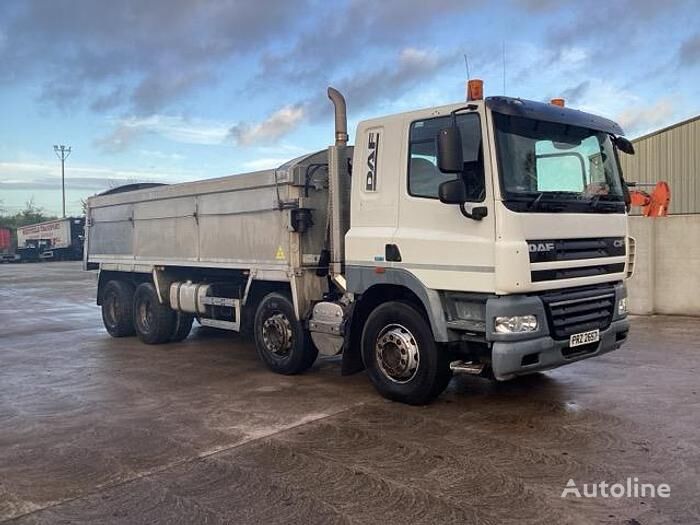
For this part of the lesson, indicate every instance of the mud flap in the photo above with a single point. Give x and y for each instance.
(352, 362)
(352, 356)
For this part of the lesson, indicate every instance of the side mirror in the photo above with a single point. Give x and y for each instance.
(452, 192)
(455, 192)
(449, 150)
(624, 145)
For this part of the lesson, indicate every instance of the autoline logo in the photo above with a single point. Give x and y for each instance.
(630, 488)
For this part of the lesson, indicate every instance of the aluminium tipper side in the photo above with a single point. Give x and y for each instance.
(239, 221)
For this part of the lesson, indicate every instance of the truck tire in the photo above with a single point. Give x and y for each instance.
(117, 308)
(403, 361)
(183, 326)
(154, 322)
(281, 341)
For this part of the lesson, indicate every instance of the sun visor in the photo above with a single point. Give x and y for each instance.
(552, 113)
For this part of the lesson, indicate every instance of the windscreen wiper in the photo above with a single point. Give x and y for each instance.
(551, 203)
(608, 204)
(534, 203)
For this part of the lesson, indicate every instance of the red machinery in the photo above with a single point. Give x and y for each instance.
(5, 240)
(654, 204)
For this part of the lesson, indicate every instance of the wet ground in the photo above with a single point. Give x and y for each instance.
(101, 430)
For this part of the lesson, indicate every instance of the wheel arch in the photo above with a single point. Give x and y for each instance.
(258, 290)
(398, 285)
(110, 275)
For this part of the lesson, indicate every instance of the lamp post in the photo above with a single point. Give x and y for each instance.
(63, 152)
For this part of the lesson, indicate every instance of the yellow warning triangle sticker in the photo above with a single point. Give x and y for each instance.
(280, 253)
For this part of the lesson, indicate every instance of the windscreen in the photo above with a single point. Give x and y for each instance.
(553, 167)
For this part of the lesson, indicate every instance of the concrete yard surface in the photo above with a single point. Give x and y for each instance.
(102, 430)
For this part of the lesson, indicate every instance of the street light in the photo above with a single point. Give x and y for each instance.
(63, 152)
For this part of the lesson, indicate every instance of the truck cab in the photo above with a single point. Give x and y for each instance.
(524, 270)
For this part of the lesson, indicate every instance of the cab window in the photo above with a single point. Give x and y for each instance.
(424, 177)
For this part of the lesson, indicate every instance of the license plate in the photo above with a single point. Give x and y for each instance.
(584, 338)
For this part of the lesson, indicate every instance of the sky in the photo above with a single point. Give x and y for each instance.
(179, 90)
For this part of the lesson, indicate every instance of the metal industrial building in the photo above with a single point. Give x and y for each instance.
(666, 278)
(671, 154)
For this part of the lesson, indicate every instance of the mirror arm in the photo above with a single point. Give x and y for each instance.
(468, 107)
(483, 211)
(465, 212)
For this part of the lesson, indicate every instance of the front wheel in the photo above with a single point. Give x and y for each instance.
(401, 357)
(280, 339)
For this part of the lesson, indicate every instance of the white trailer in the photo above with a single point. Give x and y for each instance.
(55, 239)
(486, 237)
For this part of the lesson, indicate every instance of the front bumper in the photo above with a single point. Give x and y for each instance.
(516, 358)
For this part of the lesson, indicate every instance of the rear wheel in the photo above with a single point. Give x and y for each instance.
(183, 326)
(154, 322)
(403, 361)
(280, 339)
(117, 303)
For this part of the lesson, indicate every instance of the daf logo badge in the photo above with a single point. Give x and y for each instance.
(541, 246)
(618, 243)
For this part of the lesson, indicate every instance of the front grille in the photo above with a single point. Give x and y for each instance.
(579, 310)
(581, 271)
(573, 249)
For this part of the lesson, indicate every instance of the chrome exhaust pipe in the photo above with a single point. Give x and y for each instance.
(341, 118)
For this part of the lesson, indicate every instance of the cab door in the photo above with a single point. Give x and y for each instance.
(435, 241)
(374, 203)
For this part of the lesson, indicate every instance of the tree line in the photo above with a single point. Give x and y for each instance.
(30, 214)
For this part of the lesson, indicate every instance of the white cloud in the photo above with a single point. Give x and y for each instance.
(179, 129)
(642, 119)
(161, 155)
(24, 172)
(288, 149)
(174, 128)
(572, 56)
(606, 98)
(265, 163)
(273, 127)
(411, 56)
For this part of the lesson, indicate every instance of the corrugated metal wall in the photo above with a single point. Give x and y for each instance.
(671, 154)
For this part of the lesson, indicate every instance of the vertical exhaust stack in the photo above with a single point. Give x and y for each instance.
(338, 188)
(341, 118)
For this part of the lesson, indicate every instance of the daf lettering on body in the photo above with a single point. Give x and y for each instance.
(373, 148)
(541, 246)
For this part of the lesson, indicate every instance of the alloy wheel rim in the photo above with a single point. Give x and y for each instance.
(145, 315)
(277, 334)
(397, 353)
(111, 300)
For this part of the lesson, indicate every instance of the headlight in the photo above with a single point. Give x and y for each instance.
(515, 324)
(622, 306)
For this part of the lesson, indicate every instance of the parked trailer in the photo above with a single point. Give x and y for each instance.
(5, 240)
(6, 252)
(60, 239)
(486, 238)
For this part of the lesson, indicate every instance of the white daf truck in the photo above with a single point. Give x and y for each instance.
(486, 237)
